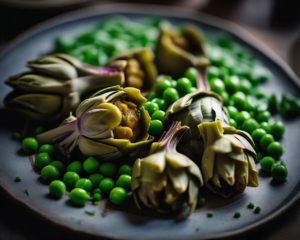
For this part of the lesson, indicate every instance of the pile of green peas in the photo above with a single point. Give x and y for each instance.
(166, 93)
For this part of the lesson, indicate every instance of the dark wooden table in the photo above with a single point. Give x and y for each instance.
(276, 23)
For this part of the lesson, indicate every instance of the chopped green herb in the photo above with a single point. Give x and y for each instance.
(138, 112)
(257, 209)
(201, 202)
(197, 229)
(26, 192)
(92, 213)
(96, 203)
(237, 214)
(18, 179)
(16, 136)
(210, 214)
(251, 205)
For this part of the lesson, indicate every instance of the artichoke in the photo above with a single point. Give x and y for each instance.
(176, 52)
(56, 85)
(110, 124)
(226, 155)
(140, 71)
(166, 179)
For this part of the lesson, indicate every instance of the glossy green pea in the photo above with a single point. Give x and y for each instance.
(84, 183)
(201, 202)
(151, 107)
(96, 178)
(50, 173)
(156, 128)
(225, 97)
(266, 164)
(91, 165)
(183, 86)
(250, 125)
(124, 181)
(232, 84)
(70, 179)
(42, 160)
(272, 104)
(192, 74)
(108, 169)
(279, 171)
(162, 86)
(275, 150)
(239, 100)
(106, 185)
(217, 85)
(118, 195)
(158, 115)
(125, 169)
(30, 145)
(258, 134)
(193, 89)
(38, 130)
(170, 95)
(60, 166)
(224, 73)
(264, 116)
(212, 72)
(174, 83)
(241, 117)
(251, 104)
(245, 86)
(75, 166)
(79, 196)
(47, 148)
(216, 56)
(57, 188)
(97, 190)
(265, 126)
(232, 111)
(259, 157)
(151, 97)
(161, 103)
(266, 140)
(277, 129)
(233, 123)
(97, 197)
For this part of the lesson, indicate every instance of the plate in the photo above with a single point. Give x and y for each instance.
(127, 222)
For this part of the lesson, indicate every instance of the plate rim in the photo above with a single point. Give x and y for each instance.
(172, 11)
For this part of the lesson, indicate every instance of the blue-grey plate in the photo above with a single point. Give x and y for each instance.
(127, 222)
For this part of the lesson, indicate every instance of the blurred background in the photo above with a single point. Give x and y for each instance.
(274, 22)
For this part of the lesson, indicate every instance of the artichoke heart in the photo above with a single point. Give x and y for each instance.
(140, 71)
(166, 179)
(226, 155)
(56, 84)
(108, 125)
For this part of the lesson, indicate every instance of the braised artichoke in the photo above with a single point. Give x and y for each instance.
(56, 85)
(110, 124)
(225, 154)
(140, 71)
(166, 179)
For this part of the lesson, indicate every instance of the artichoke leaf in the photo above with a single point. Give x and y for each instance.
(171, 194)
(179, 178)
(193, 192)
(225, 167)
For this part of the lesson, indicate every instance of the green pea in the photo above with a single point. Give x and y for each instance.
(97, 197)
(106, 185)
(277, 129)
(258, 134)
(60, 166)
(224, 73)
(279, 171)
(70, 179)
(151, 107)
(233, 123)
(151, 97)
(91, 165)
(273, 104)
(84, 183)
(96, 178)
(263, 116)
(257, 209)
(118, 195)
(212, 72)
(265, 126)
(124, 181)
(237, 214)
(239, 100)
(75, 166)
(259, 157)
(216, 56)
(251, 104)
(38, 130)
(16, 136)
(156, 128)
(225, 97)
(193, 89)
(266, 164)
(201, 202)
(183, 86)
(30, 145)
(193, 75)
(158, 115)
(217, 85)
(275, 150)
(170, 95)
(174, 83)
(79, 196)
(50, 173)
(251, 205)
(232, 84)
(47, 148)
(245, 86)
(97, 190)
(125, 169)
(241, 117)
(250, 125)
(108, 169)
(266, 140)
(161, 103)
(162, 86)
(57, 188)
(42, 160)
(232, 111)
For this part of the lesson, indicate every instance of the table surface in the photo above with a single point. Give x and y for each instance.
(264, 19)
